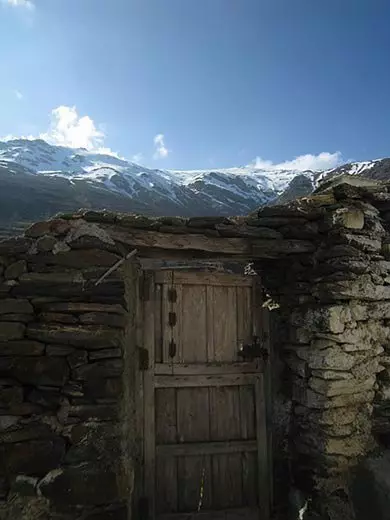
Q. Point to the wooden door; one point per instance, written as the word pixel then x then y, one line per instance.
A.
pixel 205 442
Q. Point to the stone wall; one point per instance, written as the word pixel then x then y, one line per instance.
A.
pixel 336 304
pixel 62 400
pixel 67 346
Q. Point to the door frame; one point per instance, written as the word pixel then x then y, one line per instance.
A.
pixel 145 494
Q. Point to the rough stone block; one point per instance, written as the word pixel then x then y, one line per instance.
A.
pixel 78 358
pixel 81 307
pixel 15 270
pixel 12 395
pixel 56 317
pixel 87 336
pixel 352 219
pixel 332 388
pixel 13 305
pixel 98 412
pixel 105 353
pixel 100 318
pixel 11 330
pixel 98 370
pixel 35 457
pixel 36 370
pixel 21 348
pixel 323 318
pixel 80 486
pixel 110 388
pixel 59 350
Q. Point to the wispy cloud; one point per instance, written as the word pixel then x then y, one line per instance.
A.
pixel 161 151
pixel 322 161
pixel 18 94
pixel 137 158
pixel 25 4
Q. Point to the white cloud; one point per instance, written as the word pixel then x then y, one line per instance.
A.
pixel 67 128
pixel 18 94
pixel 26 4
pixel 161 151
pixel 322 161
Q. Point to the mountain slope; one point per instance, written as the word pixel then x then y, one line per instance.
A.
pixel 39 180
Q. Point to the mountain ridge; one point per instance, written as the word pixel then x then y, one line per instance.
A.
pixel 39 179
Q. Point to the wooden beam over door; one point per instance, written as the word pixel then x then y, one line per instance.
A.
pixel 236 247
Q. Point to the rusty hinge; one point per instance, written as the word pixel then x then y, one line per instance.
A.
pixel 143 357
pixel 172 295
pixel 172 349
pixel 172 319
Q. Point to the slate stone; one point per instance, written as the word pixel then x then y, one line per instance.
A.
pixel 21 348
pixel 15 306
pixel 82 307
pixel 59 350
pixel 98 412
pixel 35 457
pixel 57 317
pixel 12 246
pixel 15 270
pixel 78 358
pixel 98 370
pixel 22 318
pixel 51 371
pixel 100 318
pixel 27 432
pixel 11 330
pixel 38 229
pixel 12 395
pixel 80 486
pixel 45 243
pixel 105 353
pixel 110 388
pixel 87 336
pixel 48 399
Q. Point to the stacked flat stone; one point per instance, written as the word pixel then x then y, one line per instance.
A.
pixel 61 389
pixel 336 304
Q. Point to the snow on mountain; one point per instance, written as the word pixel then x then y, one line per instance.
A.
pixel 239 189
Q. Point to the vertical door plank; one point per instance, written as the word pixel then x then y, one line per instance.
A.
pixel 225 323
pixel 193 324
pixel 158 331
pixel 244 314
pixel 248 431
pixel 166 432
pixel 149 401
pixel 166 308
pixel 225 425
pixel 210 322
pixel 192 426
pixel 262 451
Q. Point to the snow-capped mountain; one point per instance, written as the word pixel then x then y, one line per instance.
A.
pixel 39 179
pixel 236 189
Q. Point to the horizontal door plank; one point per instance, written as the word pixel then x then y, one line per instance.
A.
pixel 205 448
pixel 208 368
pixel 202 278
pixel 228 514
pixel 204 380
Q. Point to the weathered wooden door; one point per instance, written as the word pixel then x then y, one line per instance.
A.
pixel 205 442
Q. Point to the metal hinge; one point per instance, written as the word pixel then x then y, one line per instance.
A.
pixel 172 295
pixel 143 358
pixel 172 319
pixel 172 349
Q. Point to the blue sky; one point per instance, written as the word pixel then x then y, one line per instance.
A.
pixel 200 84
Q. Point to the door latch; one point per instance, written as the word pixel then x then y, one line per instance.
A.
pixel 253 350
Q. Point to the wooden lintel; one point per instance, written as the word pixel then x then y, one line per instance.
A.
pixel 234 247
